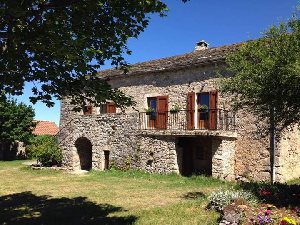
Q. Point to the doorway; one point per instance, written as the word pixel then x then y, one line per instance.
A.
pixel 84 150
pixel 196 155
pixel 106 160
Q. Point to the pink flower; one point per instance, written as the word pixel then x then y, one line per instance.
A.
pixel 268 212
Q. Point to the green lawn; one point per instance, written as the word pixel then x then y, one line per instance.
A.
pixel 112 197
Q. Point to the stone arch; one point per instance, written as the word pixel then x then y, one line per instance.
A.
pixel 84 151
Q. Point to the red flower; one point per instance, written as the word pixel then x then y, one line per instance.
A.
pixel 265 192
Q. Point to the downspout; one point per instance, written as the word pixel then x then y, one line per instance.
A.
pixel 272 143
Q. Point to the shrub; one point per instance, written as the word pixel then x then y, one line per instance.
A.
pixel 219 199
pixel 45 149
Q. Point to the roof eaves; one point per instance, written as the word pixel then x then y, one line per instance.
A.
pixel 175 68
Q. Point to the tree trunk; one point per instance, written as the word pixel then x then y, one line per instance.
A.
pixel 272 143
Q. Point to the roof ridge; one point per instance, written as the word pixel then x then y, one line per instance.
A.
pixel 175 62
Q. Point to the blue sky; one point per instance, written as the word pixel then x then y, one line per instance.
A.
pixel 218 22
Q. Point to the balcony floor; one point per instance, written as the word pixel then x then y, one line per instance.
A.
pixel 210 133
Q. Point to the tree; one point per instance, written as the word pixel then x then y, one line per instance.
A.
pixel 55 44
pixel 45 149
pixel 16 121
pixel 267 78
pixel 16 124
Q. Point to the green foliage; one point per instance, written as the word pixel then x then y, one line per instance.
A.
pixel 57 43
pixel 45 149
pixel 278 193
pixel 219 199
pixel 149 110
pixel 267 74
pixel 203 107
pixel 176 108
pixel 16 121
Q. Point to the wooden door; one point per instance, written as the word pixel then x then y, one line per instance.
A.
pixel 213 112
pixel 106 160
pixel 111 107
pixel 162 112
pixel 191 111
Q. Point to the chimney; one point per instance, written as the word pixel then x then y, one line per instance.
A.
pixel 201 45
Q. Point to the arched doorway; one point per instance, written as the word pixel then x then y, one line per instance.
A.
pixel 84 150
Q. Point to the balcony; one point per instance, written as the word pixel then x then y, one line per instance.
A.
pixel 188 120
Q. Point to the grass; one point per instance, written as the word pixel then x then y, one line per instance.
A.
pixel 48 197
pixel 111 197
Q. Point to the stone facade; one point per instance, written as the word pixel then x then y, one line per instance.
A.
pixel 223 158
pixel 116 134
pixel 252 158
pixel 287 158
pixel 233 153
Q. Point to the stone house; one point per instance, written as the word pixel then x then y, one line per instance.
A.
pixel 180 123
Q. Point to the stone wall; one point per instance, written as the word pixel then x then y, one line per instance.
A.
pixel 223 158
pixel 176 85
pixel 131 148
pixel 287 163
pixel 252 154
pixel 115 133
pixel 158 154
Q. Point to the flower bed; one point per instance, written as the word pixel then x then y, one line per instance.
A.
pixel 276 204
pixel 270 214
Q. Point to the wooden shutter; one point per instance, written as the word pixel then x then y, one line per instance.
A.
pixel 162 112
pixel 191 110
pixel 213 112
pixel 111 107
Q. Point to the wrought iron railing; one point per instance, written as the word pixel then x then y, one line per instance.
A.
pixel 209 119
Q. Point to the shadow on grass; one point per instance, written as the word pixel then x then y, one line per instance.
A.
pixel 278 194
pixel 28 209
pixel 194 195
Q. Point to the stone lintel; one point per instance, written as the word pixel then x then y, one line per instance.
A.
pixel 210 133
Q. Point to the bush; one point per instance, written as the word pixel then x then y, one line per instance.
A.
pixel 219 199
pixel 45 149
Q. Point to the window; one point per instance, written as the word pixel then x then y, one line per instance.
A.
pixel 203 105
pixel 158 118
pixel 152 104
pixel 204 108
pixel 103 108
pixel 87 110
pixel 108 107
pixel 207 110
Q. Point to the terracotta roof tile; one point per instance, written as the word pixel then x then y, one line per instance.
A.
pixel 195 58
pixel 45 127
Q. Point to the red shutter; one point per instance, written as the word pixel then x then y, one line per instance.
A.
pixel 111 107
pixel 213 112
pixel 162 112
pixel 191 110
pixel 88 110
